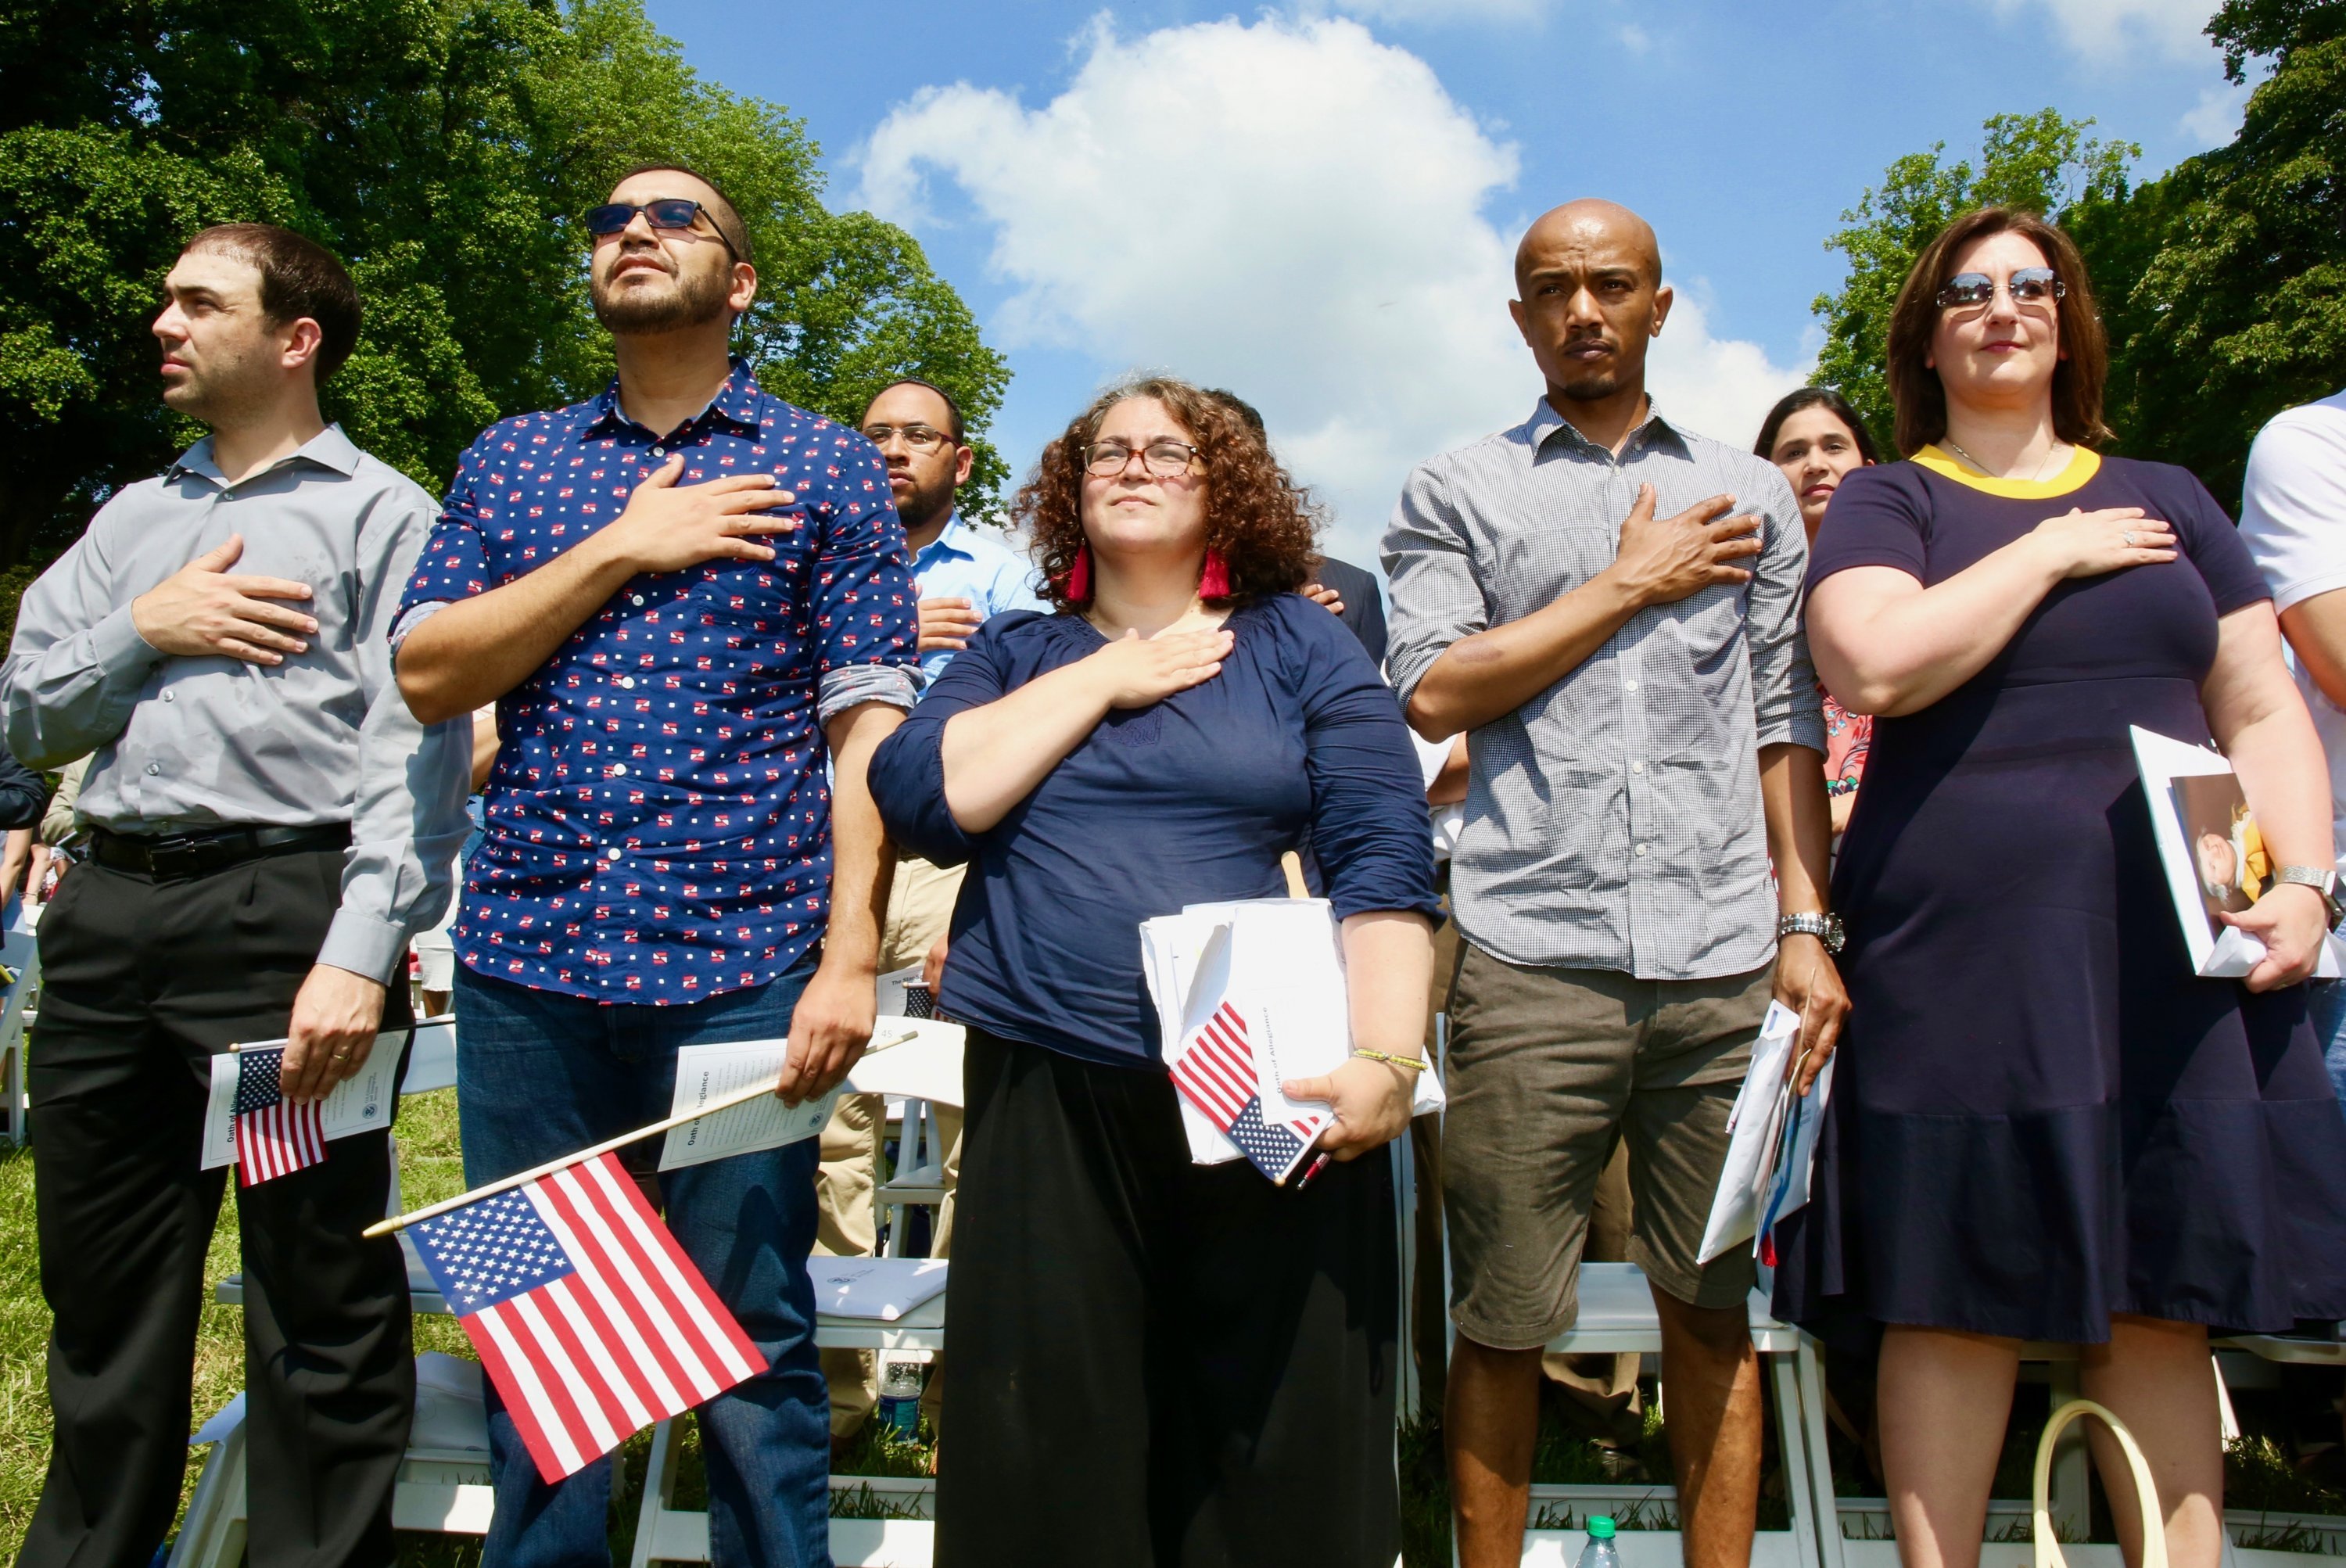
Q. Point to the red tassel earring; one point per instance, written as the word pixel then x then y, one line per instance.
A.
pixel 1079 576
pixel 1214 582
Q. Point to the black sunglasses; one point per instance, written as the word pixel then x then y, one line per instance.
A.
pixel 669 213
pixel 2029 286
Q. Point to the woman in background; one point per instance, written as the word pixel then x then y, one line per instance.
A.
pixel 2043 1125
pixel 1155 1362
pixel 1817 440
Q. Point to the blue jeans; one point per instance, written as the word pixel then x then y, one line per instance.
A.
pixel 540 1074
pixel 2328 1006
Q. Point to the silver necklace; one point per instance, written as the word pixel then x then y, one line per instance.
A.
pixel 1984 468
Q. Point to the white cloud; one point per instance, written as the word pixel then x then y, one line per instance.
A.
pixel 1634 39
pixel 2216 116
pixel 1290 208
pixel 2171 28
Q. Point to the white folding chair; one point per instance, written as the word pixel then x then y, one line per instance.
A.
pixel 1617 1314
pixel 664 1534
pixel 20 953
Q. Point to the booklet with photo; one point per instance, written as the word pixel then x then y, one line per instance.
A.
pixel 2215 858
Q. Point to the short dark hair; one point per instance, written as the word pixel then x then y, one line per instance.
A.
pixel 299 277
pixel 725 215
pixel 1246 411
pixel 2077 380
pixel 953 404
pixel 1826 398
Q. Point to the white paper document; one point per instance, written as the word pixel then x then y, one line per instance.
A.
pixel 883 1289
pixel 1278 964
pixel 911 1058
pixel 359 1103
pixel 707 1073
pixel 2206 865
pixel 1772 1141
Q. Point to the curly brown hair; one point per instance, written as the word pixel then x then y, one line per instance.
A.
pixel 1264 524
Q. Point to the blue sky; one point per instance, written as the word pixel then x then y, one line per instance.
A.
pixel 1314 203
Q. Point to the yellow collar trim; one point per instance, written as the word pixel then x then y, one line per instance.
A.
pixel 2083 464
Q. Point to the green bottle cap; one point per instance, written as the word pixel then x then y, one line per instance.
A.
pixel 1600 1527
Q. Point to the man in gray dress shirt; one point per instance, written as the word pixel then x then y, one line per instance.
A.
pixel 270 826
pixel 1610 604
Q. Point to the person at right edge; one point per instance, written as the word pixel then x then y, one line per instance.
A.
pixel 1610 605
pixel 2045 1126
pixel 2293 520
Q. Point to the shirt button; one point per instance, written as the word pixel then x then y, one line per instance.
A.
pixel 618 770
pixel 1643 848
pixel 612 853
pixel 168 696
pixel 628 682
pixel 638 598
pixel 1636 767
pixel 152 769
pixel 1626 686
pixel 660 452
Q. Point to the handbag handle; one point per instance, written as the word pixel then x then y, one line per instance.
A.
pixel 2145 1490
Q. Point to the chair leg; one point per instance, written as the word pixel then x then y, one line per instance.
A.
pixel 213 1534
pixel 660 1489
pixel 1791 1438
pixel 1808 1367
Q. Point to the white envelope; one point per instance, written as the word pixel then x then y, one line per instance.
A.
pixel 1753 1129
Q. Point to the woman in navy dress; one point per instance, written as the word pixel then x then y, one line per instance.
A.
pixel 1156 1363
pixel 2043 1126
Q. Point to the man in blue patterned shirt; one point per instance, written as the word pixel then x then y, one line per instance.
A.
pixel 684 597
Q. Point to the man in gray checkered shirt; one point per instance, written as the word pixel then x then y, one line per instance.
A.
pixel 1610 605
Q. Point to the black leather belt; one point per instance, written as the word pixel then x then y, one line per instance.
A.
pixel 213 850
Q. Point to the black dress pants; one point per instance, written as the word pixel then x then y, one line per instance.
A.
pixel 1159 1364
pixel 142 980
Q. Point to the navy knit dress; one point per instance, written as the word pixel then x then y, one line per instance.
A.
pixel 2041 1117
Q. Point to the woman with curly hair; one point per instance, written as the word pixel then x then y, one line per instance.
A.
pixel 1156 1363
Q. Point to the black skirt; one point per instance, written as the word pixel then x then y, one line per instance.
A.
pixel 1155 1363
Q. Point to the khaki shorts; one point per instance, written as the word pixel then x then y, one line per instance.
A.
pixel 1546 1067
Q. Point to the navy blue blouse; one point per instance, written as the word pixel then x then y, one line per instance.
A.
pixel 1187 801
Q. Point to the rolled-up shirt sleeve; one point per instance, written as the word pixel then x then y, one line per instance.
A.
pixel 1369 829
pixel 866 609
pixel 407 819
pixel 77 665
pixel 1785 706
pixel 908 770
pixel 1430 569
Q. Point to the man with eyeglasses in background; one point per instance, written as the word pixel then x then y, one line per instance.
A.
pixel 965 577
pixel 685 597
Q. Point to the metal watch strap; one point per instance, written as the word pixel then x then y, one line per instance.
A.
pixel 2322 880
pixel 1825 928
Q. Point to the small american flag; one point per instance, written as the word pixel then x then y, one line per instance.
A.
pixel 275 1135
pixel 585 1310
pixel 920 1001
pixel 1217 1075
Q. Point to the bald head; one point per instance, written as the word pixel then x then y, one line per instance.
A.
pixel 1589 224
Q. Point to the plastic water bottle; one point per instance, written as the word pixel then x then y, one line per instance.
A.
pixel 900 1400
pixel 1600 1551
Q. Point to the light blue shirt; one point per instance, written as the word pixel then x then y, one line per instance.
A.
pixel 962 562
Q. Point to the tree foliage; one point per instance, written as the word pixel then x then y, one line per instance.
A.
pixel 2222 283
pixel 445 149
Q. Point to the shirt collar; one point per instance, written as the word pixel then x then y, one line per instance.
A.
pixel 1546 421
pixel 330 448
pixel 951 540
pixel 735 403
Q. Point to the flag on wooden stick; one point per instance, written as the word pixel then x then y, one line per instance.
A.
pixel 585 1310
pixel 275 1136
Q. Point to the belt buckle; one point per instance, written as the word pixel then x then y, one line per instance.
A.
pixel 173 857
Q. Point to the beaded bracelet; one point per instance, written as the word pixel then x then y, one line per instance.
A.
pixel 1414 1064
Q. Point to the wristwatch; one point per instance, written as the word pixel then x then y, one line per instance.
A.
pixel 1825 928
pixel 2322 880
